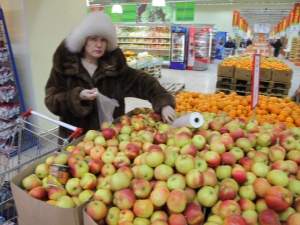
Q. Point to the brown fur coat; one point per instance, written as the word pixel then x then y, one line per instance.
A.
pixel 113 78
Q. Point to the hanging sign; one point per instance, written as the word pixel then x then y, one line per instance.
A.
pixel 241 23
pixel 235 18
pixel 152 14
pixel 129 14
pixel 116 17
pixel 296 14
pixel 185 11
pixel 263 28
pixel 255 80
pixel 284 23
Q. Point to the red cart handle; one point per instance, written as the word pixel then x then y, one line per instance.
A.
pixel 77 131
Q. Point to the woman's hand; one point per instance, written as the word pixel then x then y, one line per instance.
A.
pixel 168 114
pixel 88 94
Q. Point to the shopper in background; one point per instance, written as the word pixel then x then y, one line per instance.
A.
pixel 230 44
pixel 242 44
pixel 249 42
pixel 277 46
pixel 89 59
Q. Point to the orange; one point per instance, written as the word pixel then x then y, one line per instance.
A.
pixel 297 122
pixel 289 120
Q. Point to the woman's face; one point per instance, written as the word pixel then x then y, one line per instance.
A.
pixel 95 47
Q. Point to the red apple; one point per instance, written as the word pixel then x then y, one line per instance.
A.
pixel 268 217
pixel 95 166
pixel 228 158
pixel 234 219
pixel 193 213
pixel 278 198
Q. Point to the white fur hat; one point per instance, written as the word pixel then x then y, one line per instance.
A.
pixel 95 23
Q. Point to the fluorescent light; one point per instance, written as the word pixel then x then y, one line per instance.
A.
pixel 117 8
pixel 158 3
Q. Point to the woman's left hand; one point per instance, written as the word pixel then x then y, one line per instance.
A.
pixel 168 114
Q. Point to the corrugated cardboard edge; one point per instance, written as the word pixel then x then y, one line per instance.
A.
pixel 33 211
pixel 87 220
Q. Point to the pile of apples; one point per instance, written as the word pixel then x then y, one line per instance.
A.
pixel 143 171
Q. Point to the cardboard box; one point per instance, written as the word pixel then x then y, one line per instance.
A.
pixel 281 75
pixel 87 220
pixel 33 211
pixel 265 74
pixel 242 74
pixel 225 71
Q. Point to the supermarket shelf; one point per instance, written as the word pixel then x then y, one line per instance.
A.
pixel 147 43
pixel 141 37
pixel 158 49
pixel 178 48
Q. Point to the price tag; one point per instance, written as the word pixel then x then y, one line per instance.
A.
pixel 255 80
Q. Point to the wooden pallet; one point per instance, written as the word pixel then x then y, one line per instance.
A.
pixel 154 71
pixel 275 84
pixel 231 80
pixel 173 88
pixel 238 87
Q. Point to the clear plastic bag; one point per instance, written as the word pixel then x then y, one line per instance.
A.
pixel 106 107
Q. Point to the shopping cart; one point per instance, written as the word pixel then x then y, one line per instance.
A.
pixel 26 144
pixel 227 52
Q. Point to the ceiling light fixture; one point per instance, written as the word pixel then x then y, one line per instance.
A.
pixel 117 8
pixel 158 3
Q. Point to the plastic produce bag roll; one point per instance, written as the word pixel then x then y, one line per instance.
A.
pixel 191 120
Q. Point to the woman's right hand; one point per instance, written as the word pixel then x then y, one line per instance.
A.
pixel 87 94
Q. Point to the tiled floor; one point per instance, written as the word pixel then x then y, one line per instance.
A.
pixel 200 81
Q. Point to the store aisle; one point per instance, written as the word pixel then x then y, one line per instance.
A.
pixel 200 81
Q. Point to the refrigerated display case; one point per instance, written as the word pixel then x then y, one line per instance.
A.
pixel 178 58
pixel 199 49
pixel 220 42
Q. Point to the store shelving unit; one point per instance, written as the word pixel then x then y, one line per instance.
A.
pixel 293 49
pixel 297 54
pixel 11 98
pixel 155 39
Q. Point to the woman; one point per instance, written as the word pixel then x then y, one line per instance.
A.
pixel 89 58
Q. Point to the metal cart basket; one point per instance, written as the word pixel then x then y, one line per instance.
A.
pixel 227 52
pixel 26 144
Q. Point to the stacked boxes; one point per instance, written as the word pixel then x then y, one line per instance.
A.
pixel 297 54
pixel 272 82
pixel 293 49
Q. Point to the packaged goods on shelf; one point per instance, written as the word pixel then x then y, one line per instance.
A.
pixel 293 49
pixel 297 54
pixel 140 38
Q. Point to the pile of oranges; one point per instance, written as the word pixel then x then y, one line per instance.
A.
pixel 269 109
pixel 247 63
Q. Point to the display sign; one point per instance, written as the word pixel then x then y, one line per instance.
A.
pixel 152 14
pixel 280 26
pixel 235 18
pixel 185 11
pixel 291 16
pixel 241 23
pixel 116 17
pixel 263 28
pixel 284 23
pixel 129 13
pixel 235 30
pixel 296 17
pixel 255 80
pixel 96 8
